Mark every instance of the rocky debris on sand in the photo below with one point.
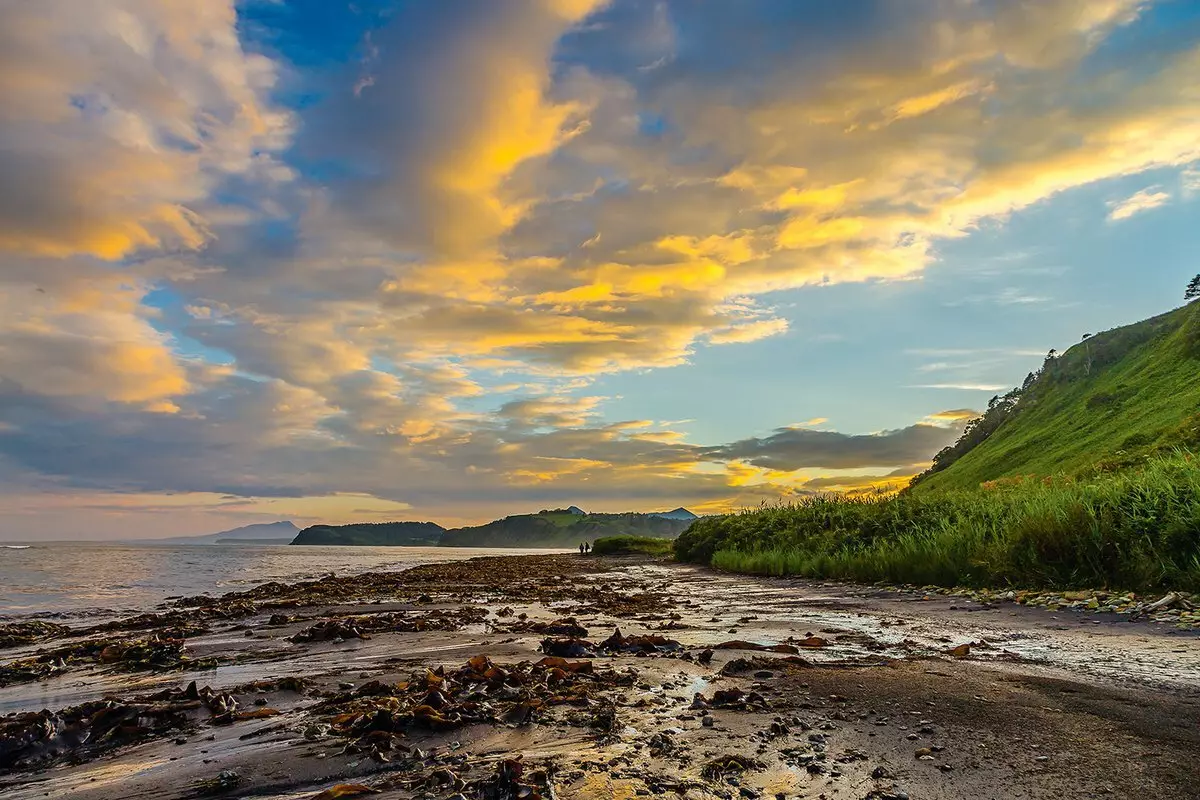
(361, 626)
(330, 630)
(739, 666)
(161, 650)
(646, 643)
(735, 699)
(568, 648)
(813, 641)
(87, 730)
(14, 634)
(1179, 608)
(730, 763)
(225, 781)
(478, 692)
(513, 781)
(738, 644)
(38, 738)
(567, 627)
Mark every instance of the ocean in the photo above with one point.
(77, 580)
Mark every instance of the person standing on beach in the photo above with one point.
(581, 548)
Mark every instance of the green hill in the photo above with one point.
(372, 533)
(1109, 402)
(561, 528)
(1082, 477)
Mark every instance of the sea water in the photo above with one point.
(75, 580)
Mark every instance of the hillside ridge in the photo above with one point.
(1108, 402)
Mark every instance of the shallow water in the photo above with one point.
(80, 579)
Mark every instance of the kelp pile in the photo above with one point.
(87, 730)
(374, 717)
(161, 650)
(362, 625)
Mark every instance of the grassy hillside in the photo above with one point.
(1134, 529)
(1082, 477)
(1109, 402)
(390, 534)
(561, 529)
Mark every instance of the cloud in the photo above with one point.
(972, 387)
(954, 415)
(861, 484)
(1190, 181)
(116, 123)
(749, 332)
(1136, 203)
(458, 99)
(790, 449)
(405, 285)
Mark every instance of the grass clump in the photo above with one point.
(630, 545)
(1138, 529)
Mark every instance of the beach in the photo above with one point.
(559, 675)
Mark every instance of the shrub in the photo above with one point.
(629, 545)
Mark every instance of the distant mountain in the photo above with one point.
(259, 533)
(372, 534)
(678, 513)
(561, 528)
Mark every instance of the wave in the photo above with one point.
(14, 546)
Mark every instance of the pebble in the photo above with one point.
(1183, 610)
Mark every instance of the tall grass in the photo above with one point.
(627, 545)
(1138, 529)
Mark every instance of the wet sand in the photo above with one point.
(864, 692)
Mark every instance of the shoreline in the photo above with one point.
(1063, 704)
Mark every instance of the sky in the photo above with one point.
(338, 261)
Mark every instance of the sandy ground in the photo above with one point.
(871, 695)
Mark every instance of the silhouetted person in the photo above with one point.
(581, 548)
(587, 548)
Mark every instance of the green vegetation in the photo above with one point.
(1136, 529)
(560, 528)
(632, 545)
(372, 533)
(1110, 402)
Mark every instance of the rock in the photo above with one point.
(739, 644)
(646, 643)
(729, 763)
(225, 781)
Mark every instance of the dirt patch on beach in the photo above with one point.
(573, 677)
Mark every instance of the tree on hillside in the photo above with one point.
(1193, 289)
